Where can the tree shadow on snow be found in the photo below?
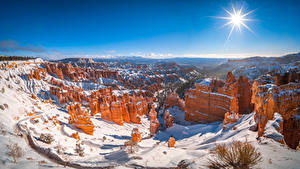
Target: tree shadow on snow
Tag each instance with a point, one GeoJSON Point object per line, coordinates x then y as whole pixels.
{"type": "Point", "coordinates": [180, 132]}
{"type": "Point", "coordinates": [120, 137]}
{"type": "Point", "coordinates": [109, 146]}
{"type": "Point", "coordinates": [119, 157]}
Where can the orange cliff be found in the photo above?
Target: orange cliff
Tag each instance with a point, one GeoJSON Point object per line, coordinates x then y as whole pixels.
{"type": "Point", "coordinates": [119, 109]}
{"type": "Point", "coordinates": [211, 99]}
{"type": "Point", "coordinates": [154, 124]}
{"type": "Point", "coordinates": [36, 73]}
{"type": "Point", "coordinates": [283, 98]}
{"type": "Point", "coordinates": [80, 119]}
{"type": "Point", "coordinates": [112, 108]}
{"type": "Point", "coordinates": [77, 74]}
{"type": "Point", "coordinates": [174, 100]}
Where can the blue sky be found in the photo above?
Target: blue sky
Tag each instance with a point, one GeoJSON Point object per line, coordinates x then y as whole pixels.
{"type": "Point", "coordinates": [151, 28]}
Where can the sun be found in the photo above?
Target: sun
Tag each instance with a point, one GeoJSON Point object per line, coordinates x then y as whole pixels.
{"type": "Point", "coordinates": [236, 19]}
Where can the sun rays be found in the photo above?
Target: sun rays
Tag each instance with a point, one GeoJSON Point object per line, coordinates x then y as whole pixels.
{"type": "Point", "coordinates": [236, 19]}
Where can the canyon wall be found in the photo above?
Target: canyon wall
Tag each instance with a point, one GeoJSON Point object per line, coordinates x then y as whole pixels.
{"type": "Point", "coordinates": [174, 100]}
{"type": "Point", "coordinates": [279, 93]}
{"type": "Point", "coordinates": [211, 99]}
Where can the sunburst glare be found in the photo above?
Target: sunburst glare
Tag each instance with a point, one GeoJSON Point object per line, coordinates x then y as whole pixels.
{"type": "Point", "coordinates": [236, 18]}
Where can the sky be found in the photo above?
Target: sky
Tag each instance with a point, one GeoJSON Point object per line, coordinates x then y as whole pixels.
{"type": "Point", "coordinates": [150, 28]}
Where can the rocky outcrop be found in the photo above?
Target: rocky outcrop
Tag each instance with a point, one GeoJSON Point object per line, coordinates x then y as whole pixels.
{"type": "Point", "coordinates": [171, 142]}
{"type": "Point", "coordinates": [77, 74]}
{"type": "Point", "coordinates": [80, 119]}
{"type": "Point", "coordinates": [120, 109]}
{"type": "Point", "coordinates": [36, 73]}
{"type": "Point", "coordinates": [136, 136]}
{"type": "Point", "coordinates": [211, 99]}
{"type": "Point", "coordinates": [168, 119]}
{"type": "Point", "coordinates": [284, 99]}
{"type": "Point", "coordinates": [154, 124]}
{"type": "Point", "coordinates": [174, 100]}
{"type": "Point", "coordinates": [230, 118]}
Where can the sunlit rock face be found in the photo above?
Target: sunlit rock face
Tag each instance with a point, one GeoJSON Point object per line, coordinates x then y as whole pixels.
{"type": "Point", "coordinates": [119, 109]}
{"type": "Point", "coordinates": [36, 74]}
{"type": "Point", "coordinates": [283, 98]}
{"type": "Point", "coordinates": [136, 135]}
{"type": "Point", "coordinates": [211, 99]}
{"type": "Point", "coordinates": [80, 119]}
{"type": "Point", "coordinates": [77, 74]}
{"type": "Point", "coordinates": [171, 142]}
{"type": "Point", "coordinates": [230, 118]}
{"type": "Point", "coordinates": [204, 106]}
{"type": "Point", "coordinates": [168, 119]}
{"type": "Point", "coordinates": [154, 124]}
{"type": "Point", "coordinates": [174, 100]}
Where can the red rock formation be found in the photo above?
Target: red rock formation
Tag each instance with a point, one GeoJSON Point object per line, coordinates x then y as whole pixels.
{"type": "Point", "coordinates": [168, 119]}
{"type": "Point", "coordinates": [134, 117]}
{"type": "Point", "coordinates": [136, 136]}
{"type": "Point", "coordinates": [230, 118]}
{"type": "Point", "coordinates": [125, 112]}
{"type": "Point", "coordinates": [171, 142]}
{"type": "Point", "coordinates": [77, 74]}
{"type": "Point", "coordinates": [211, 99]}
{"type": "Point", "coordinates": [36, 73]}
{"type": "Point", "coordinates": [174, 100]}
{"type": "Point", "coordinates": [283, 99]}
{"type": "Point", "coordinates": [94, 108]}
{"type": "Point", "coordinates": [204, 106]}
{"type": "Point", "coordinates": [230, 79]}
{"type": "Point", "coordinates": [244, 95]}
{"type": "Point", "coordinates": [33, 96]}
{"type": "Point", "coordinates": [80, 119]}
{"type": "Point", "coordinates": [116, 113]}
{"type": "Point", "coordinates": [117, 109]}
{"type": "Point", "coordinates": [154, 124]}
{"type": "Point", "coordinates": [76, 136]}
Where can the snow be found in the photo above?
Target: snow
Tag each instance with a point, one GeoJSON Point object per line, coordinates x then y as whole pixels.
{"type": "Point", "coordinates": [272, 129]}
{"type": "Point", "coordinates": [205, 82]}
{"type": "Point", "coordinates": [105, 147]}
{"type": "Point", "coordinates": [218, 94]}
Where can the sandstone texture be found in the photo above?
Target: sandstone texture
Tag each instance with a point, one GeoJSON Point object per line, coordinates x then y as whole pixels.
{"type": "Point", "coordinates": [279, 93]}
{"type": "Point", "coordinates": [136, 136]}
{"type": "Point", "coordinates": [168, 119]}
{"type": "Point", "coordinates": [171, 142]}
{"type": "Point", "coordinates": [80, 119]}
{"type": "Point", "coordinates": [211, 99]}
{"type": "Point", "coordinates": [154, 124]}
{"type": "Point", "coordinates": [174, 100]}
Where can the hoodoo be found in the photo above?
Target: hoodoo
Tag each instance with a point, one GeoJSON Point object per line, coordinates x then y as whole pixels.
{"type": "Point", "coordinates": [136, 136]}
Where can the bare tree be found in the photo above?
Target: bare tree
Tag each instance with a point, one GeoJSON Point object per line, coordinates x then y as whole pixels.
{"type": "Point", "coordinates": [236, 155]}
{"type": "Point", "coordinates": [79, 150]}
{"type": "Point", "coordinates": [15, 151]}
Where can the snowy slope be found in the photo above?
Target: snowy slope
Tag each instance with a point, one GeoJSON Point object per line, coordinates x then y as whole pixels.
{"type": "Point", "coordinates": [105, 147]}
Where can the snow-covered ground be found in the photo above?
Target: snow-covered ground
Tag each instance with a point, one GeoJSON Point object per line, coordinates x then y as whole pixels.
{"type": "Point", "coordinates": [105, 147]}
